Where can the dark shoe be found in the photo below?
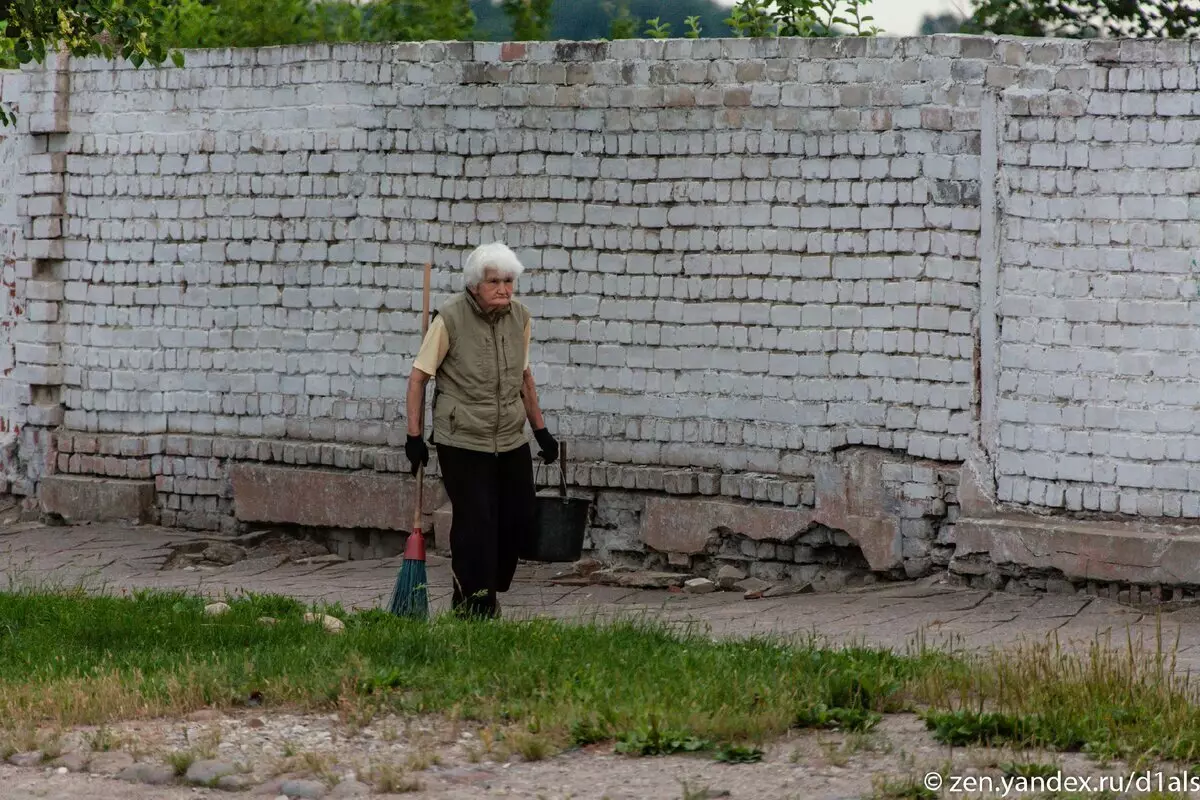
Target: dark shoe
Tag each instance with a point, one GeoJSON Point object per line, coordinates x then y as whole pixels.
{"type": "Point", "coordinates": [477, 609]}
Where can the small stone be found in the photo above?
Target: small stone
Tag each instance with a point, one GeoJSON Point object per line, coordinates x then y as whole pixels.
{"type": "Point", "coordinates": [769, 571]}
{"type": "Point", "coordinates": [752, 586]}
{"type": "Point", "coordinates": [234, 783]}
{"type": "Point", "coordinates": [586, 566]}
{"type": "Point", "coordinates": [268, 621]}
{"type": "Point", "coordinates": [1059, 586]}
{"type": "Point", "coordinates": [572, 580]}
{"type": "Point", "coordinates": [29, 759]}
{"type": "Point", "coordinates": [607, 576]}
{"type": "Point", "coordinates": [728, 576]}
{"type": "Point", "coordinates": [679, 560]}
{"type": "Point", "coordinates": [109, 763]}
{"type": "Point", "coordinates": [191, 569]}
{"type": "Point", "coordinates": [324, 558]}
{"type": "Point", "coordinates": [831, 580]}
{"type": "Point", "coordinates": [917, 567]}
{"type": "Point", "coordinates": [308, 790]}
{"type": "Point", "coordinates": [650, 580]}
{"type": "Point", "coordinates": [350, 788]}
{"type": "Point", "coordinates": [699, 586]}
{"type": "Point", "coordinates": [788, 589]}
{"type": "Point", "coordinates": [224, 553]}
{"type": "Point", "coordinates": [204, 715]}
{"type": "Point", "coordinates": [270, 789]}
{"type": "Point", "coordinates": [152, 774]}
{"type": "Point", "coordinates": [61, 771]}
{"type": "Point", "coordinates": [467, 775]}
{"type": "Point", "coordinates": [216, 609]}
{"type": "Point", "coordinates": [208, 771]}
{"type": "Point", "coordinates": [72, 762]}
{"type": "Point", "coordinates": [331, 624]}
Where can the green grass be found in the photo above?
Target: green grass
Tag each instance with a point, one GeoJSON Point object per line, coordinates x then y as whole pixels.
{"type": "Point", "coordinates": [1028, 769]}
{"type": "Point", "coordinates": [73, 658]}
{"type": "Point", "coordinates": [67, 657]}
{"type": "Point", "coordinates": [907, 788]}
{"type": "Point", "coordinates": [1127, 702]}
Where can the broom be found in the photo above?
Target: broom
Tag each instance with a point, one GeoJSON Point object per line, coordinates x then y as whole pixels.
{"type": "Point", "coordinates": [410, 596]}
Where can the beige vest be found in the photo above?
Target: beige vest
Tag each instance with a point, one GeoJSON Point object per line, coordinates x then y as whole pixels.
{"type": "Point", "coordinates": [477, 396]}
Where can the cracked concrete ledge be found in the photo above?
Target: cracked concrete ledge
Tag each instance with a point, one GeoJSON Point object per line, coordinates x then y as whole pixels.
{"type": "Point", "coordinates": [327, 498]}
{"type": "Point", "coordinates": [87, 499]}
{"type": "Point", "coordinates": [1103, 551]}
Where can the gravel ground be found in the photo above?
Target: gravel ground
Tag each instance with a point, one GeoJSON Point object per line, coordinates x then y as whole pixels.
{"type": "Point", "coordinates": [288, 756]}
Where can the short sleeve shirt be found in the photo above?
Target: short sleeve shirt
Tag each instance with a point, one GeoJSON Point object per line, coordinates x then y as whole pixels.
{"type": "Point", "coordinates": [437, 344]}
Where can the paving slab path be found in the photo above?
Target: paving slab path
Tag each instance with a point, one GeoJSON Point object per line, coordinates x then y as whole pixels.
{"type": "Point", "coordinates": [892, 615]}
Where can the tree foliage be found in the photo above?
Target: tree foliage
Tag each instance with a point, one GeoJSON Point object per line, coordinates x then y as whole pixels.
{"type": "Point", "coordinates": [756, 18]}
{"type": "Point", "coordinates": [417, 20]}
{"type": "Point", "coordinates": [530, 19]}
{"type": "Point", "coordinates": [129, 29]}
{"type": "Point", "coordinates": [581, 20]}
{"type": "Point", "coordinates": [255, 23]}
{"type": "Point", "coordinates": [942, 23]}
{"type": "Point", "coordinates": [146, 30]}
{"type": "Point", "coordinates": [804, 18]}
{"type": "Point", "coordinates": [1087, 18]}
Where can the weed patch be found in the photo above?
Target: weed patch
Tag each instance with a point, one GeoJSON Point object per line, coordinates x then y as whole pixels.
{"type": "Point", "coordinates": [69, 658]}
{"type": "Point", "coordinates": [72, 658]}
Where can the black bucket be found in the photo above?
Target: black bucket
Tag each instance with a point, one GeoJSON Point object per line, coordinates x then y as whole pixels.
{"type": "Point", "coordinates": [560, 523]}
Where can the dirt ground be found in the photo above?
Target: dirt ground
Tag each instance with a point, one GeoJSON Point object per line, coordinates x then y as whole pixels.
{"type": "Point", "coordinates": [442, 760]}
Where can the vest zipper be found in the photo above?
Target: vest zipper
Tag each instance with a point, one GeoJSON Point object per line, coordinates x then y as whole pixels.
{"type": "Point", "coordinates": [496, 430]}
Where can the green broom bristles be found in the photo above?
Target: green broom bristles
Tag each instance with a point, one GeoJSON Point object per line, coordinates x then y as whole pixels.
{"type": "Point", "coordinates": [410, 596]}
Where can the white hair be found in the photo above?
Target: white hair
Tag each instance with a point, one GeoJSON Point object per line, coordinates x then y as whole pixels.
{"type": "Point", "coordinates": [495, 255]}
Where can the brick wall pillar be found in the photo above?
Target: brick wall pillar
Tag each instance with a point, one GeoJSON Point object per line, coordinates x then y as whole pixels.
{"type": "Point", "coordinates": [40, 270]}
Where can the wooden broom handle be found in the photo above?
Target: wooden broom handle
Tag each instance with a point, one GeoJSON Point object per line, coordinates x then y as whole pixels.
{"type": "Point", "coordinates": [425, 300]}
{"type": "Point", "coordinates": [421, 422]}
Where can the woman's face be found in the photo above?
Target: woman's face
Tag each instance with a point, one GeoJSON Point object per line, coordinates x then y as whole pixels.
{"type": "Point", "coordinates": [495, 291]}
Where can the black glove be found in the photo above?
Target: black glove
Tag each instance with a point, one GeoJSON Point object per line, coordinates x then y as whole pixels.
{"type": "Point", "coordinates": [417, 452]}
{"type": "Point", "coordinates": [548, 444]}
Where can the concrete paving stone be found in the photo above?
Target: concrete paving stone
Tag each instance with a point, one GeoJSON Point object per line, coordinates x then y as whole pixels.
{"type": "Point", "coordinates": [592, 595]}
{"type": "Point", "coordinates": [1059, 606]}
{"type": "Point", "coordinates": [112, 557]}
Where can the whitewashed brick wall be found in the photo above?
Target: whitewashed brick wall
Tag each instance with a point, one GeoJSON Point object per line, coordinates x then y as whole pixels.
{"type": "Point", "coordinates": [744, 255]}
{"type": "Point", "coordinates": [13, 149]}
{"type": "Point", "coordinates": [1099, 348]}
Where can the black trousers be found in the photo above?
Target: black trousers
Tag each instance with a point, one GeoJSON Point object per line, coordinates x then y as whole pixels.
{"type": "Point", "coordinates": [492, 496]}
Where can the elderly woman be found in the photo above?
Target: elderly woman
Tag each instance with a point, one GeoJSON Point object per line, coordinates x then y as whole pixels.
{"type": "Point", "coordinates": [478, 348]}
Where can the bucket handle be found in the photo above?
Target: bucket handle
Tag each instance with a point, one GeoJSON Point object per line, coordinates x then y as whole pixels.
{"type": "Point", "coordinates": [562, 470]}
